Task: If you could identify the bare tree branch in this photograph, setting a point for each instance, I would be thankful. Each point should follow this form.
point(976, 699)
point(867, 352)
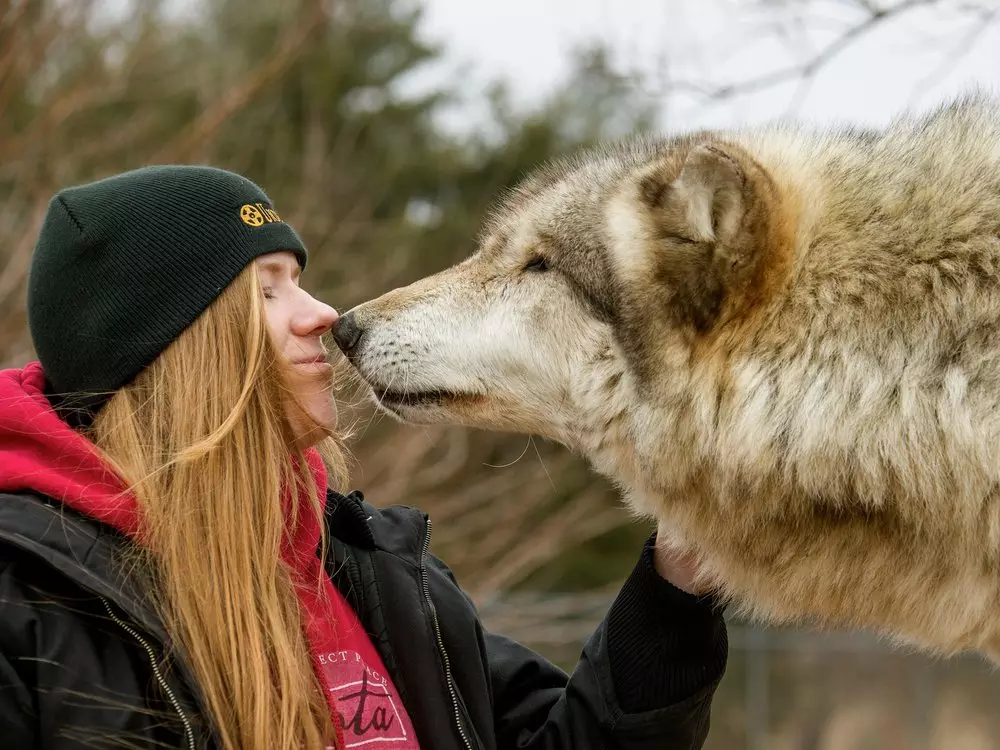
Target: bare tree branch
point(808, 69)
point(980, 24)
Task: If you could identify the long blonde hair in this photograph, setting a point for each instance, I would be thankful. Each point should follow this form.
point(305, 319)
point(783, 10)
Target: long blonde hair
point(203, 441)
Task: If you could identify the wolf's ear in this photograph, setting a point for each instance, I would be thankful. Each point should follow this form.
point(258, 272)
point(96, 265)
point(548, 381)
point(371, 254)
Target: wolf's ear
point(710, 216)
point(706, 202)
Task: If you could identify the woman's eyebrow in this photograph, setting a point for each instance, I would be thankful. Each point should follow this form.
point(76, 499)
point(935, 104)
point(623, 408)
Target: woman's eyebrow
point(280, 269)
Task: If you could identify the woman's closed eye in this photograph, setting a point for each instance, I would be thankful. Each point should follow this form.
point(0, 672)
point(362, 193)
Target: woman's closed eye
point(268, 292)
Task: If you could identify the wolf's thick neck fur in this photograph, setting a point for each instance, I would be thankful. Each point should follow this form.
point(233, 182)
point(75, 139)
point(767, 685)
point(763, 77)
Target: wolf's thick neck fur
point(845, 431)
point(782, 343)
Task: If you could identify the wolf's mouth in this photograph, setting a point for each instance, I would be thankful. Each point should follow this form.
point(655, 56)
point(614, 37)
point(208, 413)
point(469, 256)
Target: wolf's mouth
point(412, 398)
point(395, 400)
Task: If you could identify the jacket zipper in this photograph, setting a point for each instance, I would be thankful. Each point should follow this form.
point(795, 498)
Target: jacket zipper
point(188, 731)
point(440, 641)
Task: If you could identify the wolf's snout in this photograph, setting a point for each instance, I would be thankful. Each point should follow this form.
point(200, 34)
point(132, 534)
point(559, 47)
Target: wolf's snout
point(347, 333)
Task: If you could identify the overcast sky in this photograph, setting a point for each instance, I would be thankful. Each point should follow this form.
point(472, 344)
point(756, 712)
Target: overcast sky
point(527, 42)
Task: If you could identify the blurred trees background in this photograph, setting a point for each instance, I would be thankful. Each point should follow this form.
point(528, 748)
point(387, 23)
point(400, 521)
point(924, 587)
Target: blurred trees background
point(304, 97)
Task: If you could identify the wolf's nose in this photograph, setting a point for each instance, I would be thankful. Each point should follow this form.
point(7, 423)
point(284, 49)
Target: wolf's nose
point(347, 333)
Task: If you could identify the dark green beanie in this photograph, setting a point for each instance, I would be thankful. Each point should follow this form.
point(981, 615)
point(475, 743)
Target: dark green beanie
point(123, 265)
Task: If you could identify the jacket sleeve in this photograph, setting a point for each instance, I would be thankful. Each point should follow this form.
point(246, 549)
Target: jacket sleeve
point(645, 679)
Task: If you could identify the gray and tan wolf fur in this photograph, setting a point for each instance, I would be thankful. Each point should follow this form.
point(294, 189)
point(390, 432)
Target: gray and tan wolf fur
point(782, 342)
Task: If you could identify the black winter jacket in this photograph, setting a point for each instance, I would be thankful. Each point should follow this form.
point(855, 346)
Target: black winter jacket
point(83, 665)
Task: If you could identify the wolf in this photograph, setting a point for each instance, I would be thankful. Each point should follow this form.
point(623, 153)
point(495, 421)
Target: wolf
point(782, 343)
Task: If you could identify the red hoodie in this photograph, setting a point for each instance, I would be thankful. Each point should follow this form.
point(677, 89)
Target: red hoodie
point(40, 453)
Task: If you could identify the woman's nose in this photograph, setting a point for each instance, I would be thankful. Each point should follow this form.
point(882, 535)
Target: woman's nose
point(320, 318)
point(328, 317)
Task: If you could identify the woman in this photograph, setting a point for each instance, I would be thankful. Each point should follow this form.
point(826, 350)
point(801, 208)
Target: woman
point(175, 572)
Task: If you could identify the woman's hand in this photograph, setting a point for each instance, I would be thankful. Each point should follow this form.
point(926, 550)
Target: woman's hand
point(679, 566)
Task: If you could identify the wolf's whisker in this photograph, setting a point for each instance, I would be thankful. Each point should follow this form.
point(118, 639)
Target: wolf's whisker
point(511, 463)
point(531, 439)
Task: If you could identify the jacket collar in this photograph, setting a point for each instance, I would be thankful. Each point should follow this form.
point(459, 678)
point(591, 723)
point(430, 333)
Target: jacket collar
point(349, 520)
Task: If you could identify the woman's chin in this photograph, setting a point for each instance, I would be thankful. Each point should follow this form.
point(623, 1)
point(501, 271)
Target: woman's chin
point(313, 419)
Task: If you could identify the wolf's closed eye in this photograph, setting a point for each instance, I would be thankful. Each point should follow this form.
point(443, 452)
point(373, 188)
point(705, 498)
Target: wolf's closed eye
point(537, 264)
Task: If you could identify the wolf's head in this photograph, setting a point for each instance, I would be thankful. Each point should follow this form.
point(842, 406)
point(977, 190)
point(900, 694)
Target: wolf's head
point(596, 279)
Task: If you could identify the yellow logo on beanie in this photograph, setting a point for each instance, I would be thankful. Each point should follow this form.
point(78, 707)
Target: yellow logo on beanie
point(257, 214)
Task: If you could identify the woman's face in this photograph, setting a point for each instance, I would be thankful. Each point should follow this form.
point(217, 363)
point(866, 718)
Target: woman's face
point(297, 321)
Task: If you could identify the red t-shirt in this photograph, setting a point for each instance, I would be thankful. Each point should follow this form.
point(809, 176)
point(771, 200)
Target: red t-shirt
point(371, 713)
